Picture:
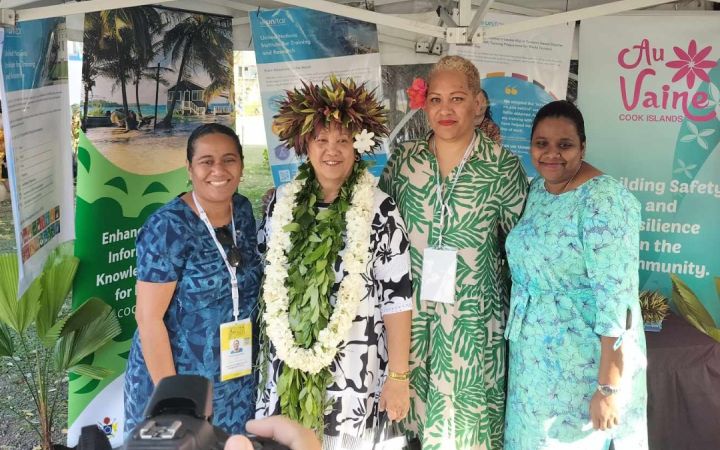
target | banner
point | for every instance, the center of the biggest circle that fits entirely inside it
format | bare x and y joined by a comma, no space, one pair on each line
296,44
36,122
521,73
146,86
649,89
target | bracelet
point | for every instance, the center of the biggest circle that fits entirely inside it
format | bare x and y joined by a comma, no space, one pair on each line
399,376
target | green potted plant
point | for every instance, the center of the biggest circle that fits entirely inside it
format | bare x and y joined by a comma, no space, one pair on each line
41,339
654,308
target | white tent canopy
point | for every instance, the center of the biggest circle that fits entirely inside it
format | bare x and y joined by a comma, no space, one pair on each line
454,22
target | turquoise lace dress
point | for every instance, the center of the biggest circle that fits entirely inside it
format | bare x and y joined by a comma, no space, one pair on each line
574,263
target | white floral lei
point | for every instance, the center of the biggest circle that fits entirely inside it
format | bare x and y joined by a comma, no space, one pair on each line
275,294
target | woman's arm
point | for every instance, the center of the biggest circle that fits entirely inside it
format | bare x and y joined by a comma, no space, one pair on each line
603,408
153,300
395,396
611,362
610,236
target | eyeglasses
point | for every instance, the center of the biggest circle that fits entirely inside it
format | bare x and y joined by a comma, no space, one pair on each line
224,236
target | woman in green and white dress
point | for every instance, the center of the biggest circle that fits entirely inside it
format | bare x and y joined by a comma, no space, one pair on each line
460,193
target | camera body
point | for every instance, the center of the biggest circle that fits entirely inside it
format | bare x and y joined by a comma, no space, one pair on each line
179,417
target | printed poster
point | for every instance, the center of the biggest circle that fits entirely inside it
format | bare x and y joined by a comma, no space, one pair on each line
296,44
36,122
649,89
521,73
145,87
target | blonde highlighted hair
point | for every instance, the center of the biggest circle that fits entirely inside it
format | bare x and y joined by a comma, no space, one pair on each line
458,64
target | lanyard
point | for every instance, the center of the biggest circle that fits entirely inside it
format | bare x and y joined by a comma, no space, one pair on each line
439,186
231,269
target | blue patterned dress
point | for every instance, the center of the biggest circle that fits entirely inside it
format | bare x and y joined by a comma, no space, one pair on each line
175,245
574,263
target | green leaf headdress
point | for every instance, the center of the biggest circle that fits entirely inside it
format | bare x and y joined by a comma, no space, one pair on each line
342,102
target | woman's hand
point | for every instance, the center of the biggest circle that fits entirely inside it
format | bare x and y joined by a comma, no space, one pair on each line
395,399
603,412
280,429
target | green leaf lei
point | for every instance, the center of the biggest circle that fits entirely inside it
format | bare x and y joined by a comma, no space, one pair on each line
317,238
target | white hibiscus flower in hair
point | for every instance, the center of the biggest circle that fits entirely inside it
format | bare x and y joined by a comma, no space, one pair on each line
364,141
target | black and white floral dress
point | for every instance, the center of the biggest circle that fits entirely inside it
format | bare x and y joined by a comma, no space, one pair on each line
360,366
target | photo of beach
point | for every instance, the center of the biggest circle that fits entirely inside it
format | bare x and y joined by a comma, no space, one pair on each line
149,77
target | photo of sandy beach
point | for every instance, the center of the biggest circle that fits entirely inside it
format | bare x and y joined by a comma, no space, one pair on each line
150,76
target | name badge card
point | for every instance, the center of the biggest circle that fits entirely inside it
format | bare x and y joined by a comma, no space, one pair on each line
235,349
438,275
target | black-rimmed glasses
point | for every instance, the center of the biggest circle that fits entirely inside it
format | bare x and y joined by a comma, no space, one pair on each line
224,237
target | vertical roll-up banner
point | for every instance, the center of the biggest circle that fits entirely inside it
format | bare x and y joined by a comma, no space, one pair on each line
649,88
293,45
36,119
150,76
521,73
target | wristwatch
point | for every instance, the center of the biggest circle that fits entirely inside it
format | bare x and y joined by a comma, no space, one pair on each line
607,389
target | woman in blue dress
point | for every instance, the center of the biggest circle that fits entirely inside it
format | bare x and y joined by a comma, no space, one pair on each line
187,254
577,346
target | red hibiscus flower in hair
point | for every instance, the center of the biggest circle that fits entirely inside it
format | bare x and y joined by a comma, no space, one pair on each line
416,93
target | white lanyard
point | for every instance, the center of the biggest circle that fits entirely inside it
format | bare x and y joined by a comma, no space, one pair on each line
231,269
439,186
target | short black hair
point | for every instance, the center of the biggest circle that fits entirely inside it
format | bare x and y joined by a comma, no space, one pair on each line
564,109
488,114
211,128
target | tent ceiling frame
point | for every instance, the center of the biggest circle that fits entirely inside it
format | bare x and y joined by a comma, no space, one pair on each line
459,34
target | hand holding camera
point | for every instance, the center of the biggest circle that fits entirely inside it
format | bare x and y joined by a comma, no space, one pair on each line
179,416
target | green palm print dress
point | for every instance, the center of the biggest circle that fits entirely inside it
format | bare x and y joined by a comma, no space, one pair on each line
458,353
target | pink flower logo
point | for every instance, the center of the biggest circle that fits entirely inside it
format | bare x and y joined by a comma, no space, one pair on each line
416,93
691,64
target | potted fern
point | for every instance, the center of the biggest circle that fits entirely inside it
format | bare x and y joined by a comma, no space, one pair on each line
42,340
654,308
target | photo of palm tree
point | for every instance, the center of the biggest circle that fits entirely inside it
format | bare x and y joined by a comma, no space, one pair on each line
150,76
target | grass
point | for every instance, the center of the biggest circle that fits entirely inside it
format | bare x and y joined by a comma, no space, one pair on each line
15,433
257,178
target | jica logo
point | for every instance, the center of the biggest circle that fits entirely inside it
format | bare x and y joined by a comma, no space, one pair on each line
108,426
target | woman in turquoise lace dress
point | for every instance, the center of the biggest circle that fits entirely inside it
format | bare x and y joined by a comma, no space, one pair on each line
577,348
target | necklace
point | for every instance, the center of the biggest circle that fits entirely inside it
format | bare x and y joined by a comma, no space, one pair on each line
567,183
307,361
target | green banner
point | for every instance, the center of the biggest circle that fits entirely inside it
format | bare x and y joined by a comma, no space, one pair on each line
112,205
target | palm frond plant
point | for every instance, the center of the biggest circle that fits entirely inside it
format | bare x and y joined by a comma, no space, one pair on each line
691,308
42,340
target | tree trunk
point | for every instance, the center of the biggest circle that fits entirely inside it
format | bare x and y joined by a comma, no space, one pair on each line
126,110
137,97
167,120
83,123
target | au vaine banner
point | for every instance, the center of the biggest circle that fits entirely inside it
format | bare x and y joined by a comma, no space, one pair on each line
131,160
649,87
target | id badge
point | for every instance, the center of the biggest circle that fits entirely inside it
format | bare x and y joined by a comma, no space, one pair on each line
235,349
438,275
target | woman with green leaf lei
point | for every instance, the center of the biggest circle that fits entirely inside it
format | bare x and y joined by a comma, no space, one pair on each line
336,296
